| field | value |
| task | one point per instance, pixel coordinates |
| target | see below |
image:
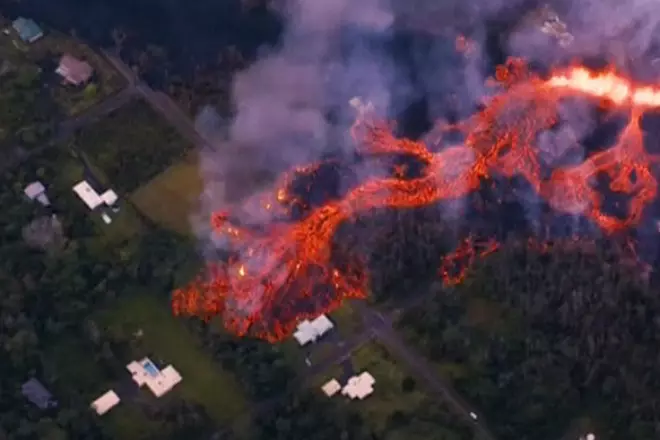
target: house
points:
(331, 388)
(73, 70)
(160, 382)
(359, 387)
(310, 331)
(93, 199)
(27, 29)
(37, 191)
(36, 393)
(105, 403)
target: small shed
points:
(73, 70)
(36, 393)
(105, 403)
(331, 388)
(37, 191)
(27, 29)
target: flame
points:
(290, 261)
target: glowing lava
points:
(284, 272)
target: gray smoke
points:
(283, 100)
(291, 105)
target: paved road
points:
(160, 102)
(382, 327)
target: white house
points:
(37, 191)
(359, 387)
(93, 199)
(105, 403)
(331, 388)
(310, 331)
(158, 381)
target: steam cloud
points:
(291, 105)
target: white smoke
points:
(283, 100)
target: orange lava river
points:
(284, 272)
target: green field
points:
(172, 197)
(169, 341)
(398, 409)
(132, 145)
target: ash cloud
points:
(291, 105)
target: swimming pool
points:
(150, 368)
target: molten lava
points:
(285, 272)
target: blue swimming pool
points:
(150, 368)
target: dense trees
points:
(539, 336)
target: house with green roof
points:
(27, 29)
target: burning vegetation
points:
(286, 270)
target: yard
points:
(398, 409)
(171, 198)
(59, 170)
(132, 145)
(80, 376)
(45, 54)
(166, 340)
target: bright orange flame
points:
(283, 263)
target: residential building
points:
(310, 331)
(160, 382)
(331, 388)
(359, 387)
(36, 393)
(105, 403)
(37, 191)
(27, 29)
(74, 71)
(93, 199)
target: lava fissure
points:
(285, 272)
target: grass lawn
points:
(46, 53)
(172, 197)
(59, 170)
(167, 340)
(423, 418)
(132, 145)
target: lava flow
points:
(284, 272)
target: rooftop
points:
(105, 403)
(36, 393)
(310, 331)
(28, 30)
(359, 387)
(160, 382)
(73, 70)
(331, 388)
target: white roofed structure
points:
(37, 191)
(158, 381)
(331, 388)
(310, 331)
(109, 197)
(105, 403)
(359, 387)
(88, 195)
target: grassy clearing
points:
(46, 53)
(74, 100)
(172, 197)
(396, 410)
(132, 145)
(167, 340)
(81, 376)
